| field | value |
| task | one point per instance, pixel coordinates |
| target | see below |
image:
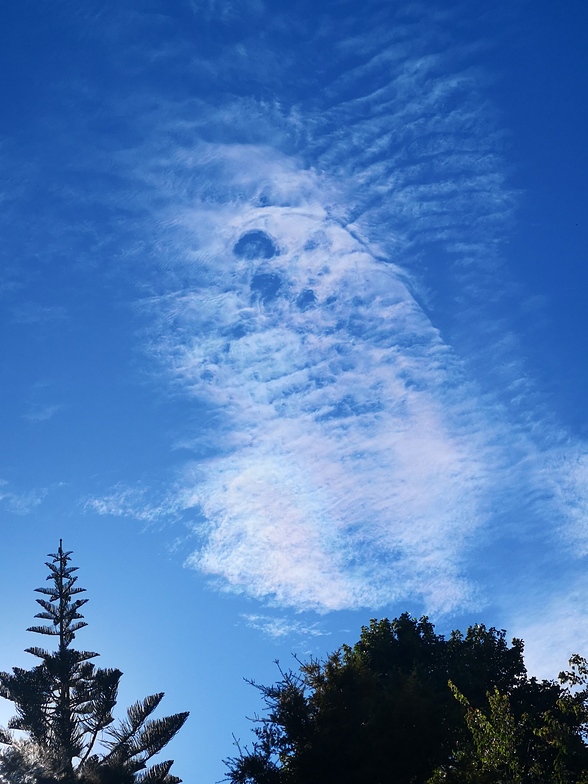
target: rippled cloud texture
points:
(330, 210)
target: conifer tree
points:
(64, 707)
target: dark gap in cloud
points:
(266, 285)
(238, 331)
(349, 407)
(306, 299)
(255, 244)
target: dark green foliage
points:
(544, 742)
(64, 707)
(383, 712)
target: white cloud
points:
(554, 628)
(135, 502)
(344, 478)
(20, 503)
(42, 413)
(357, 454)
(276, 628)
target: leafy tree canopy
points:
(64, 723)
(407, 705)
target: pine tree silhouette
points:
(67, 733)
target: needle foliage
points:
(64, 730)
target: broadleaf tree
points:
(405, 705)
(64, 730)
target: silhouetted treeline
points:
(405, 705)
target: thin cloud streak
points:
(135, 502)
(21, 504)
(276, 628)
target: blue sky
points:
(292, 305)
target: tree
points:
(384, 711)
(544, 743)
(493, 754)
(66, 732)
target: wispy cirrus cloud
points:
(136, 502)
(32, 313)
(363, 442)
(556, 629)
(276, 628)
(20, 503)
(40, 407)
(42, 413)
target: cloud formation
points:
(354, 454)
(342, 479)
(277, 628)
(20, 503)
